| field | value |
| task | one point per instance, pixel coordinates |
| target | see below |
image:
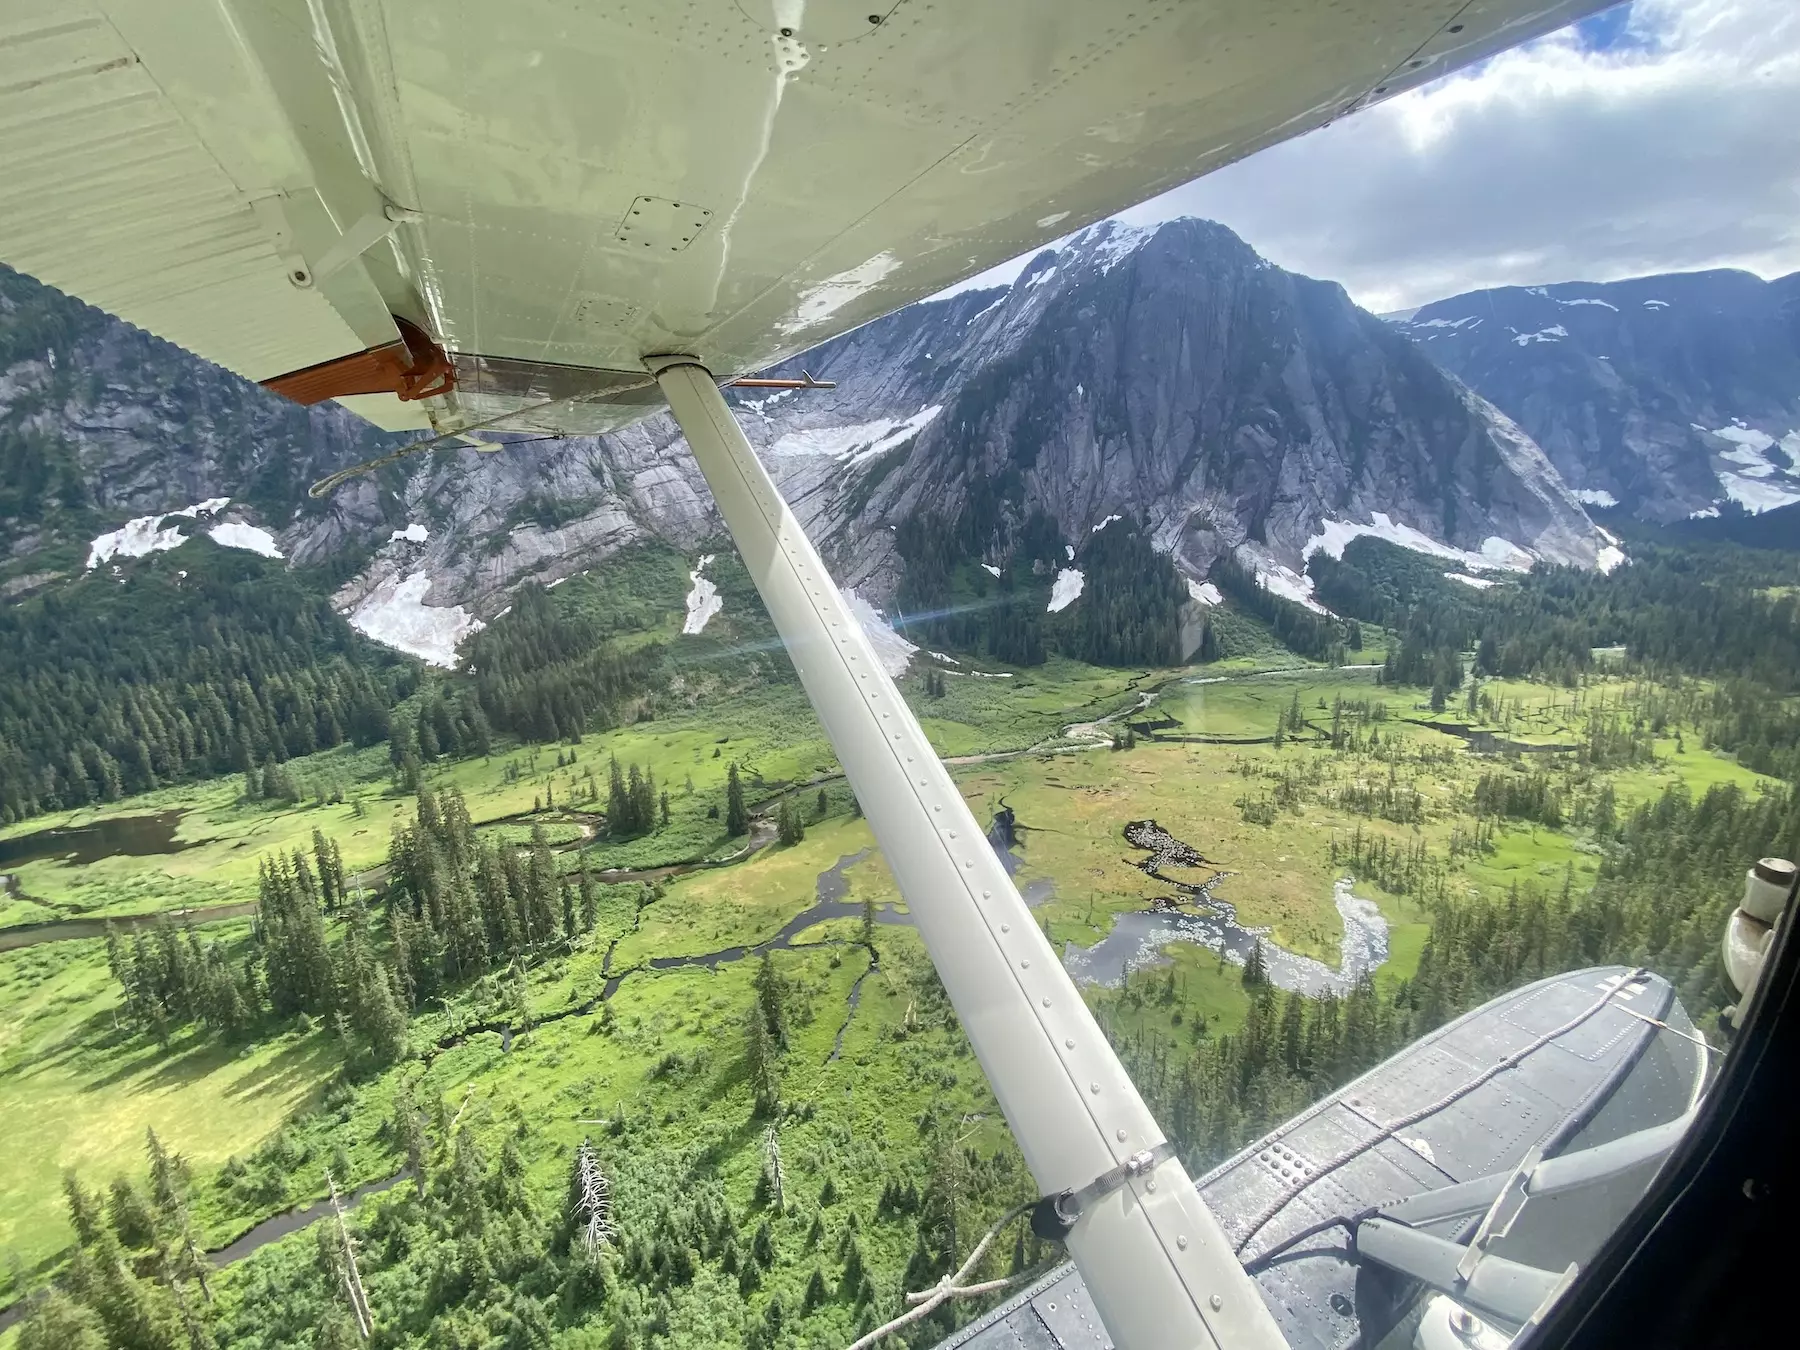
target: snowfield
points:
(893, 651)
(851, 443)
(395, 614)
(1067, 589)
(703, 598)
(235, 534)
(140, 536)
(1495, 551)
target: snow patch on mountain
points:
(1595, 497)
(850, 443)
(1204, 592)
(236, 534)
(1067, 589)
(1554, 333)
(1755, 495)
(1756, 482)
(1496, 553)
(395, 614)
(141, 535)
(893, 651)
(1479, 583)
(414, 533)
(1103, 524)
(1609, 557)
(703, 598)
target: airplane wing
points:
(502, 208)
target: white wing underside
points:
(599, 182)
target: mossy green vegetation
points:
(790, 1120)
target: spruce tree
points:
(57, 1322)
(737, 818)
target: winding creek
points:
(1136, 942)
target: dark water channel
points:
(1137, 939)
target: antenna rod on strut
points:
(1159, 1268)
(806, 381)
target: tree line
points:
(1671, 873)
(108, 690)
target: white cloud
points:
(1668, 147)
(1670, 150)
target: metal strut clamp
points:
(1054, 1215)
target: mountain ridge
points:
(1168, 373)
(1673, 395)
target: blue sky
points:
(1656, 136)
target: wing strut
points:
(1161, 1271)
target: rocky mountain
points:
(1167, 373)
(1172, 374)
(1670, 396)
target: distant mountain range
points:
(1667, 396)
(1167, 373)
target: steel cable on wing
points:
(1388, 1131)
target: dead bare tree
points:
(772, 1160)
(926, 1301)
(353, 1285)
(592, 1204)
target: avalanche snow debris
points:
(396, 615)
(893, 651)
(1067, 589)
(1755, 495)
(1070, 550)
(1610, 557)
(134, 539)
(1205, 592)
(703, 598)
(1495, 551)
(140, 535)
(235, 534)
(1103, 524)
(414, 533)
(854, 442)
(1479, 583)
(1710, 513)
(1745, 436)
(1595, 497)
(1749, 483)
(1278, 579)
(947, 660)
(990, 569)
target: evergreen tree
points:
(86, 1215)
(132, 1219)
(737, 818)
(1256, 970)
(57, 1322)
(770, 999)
